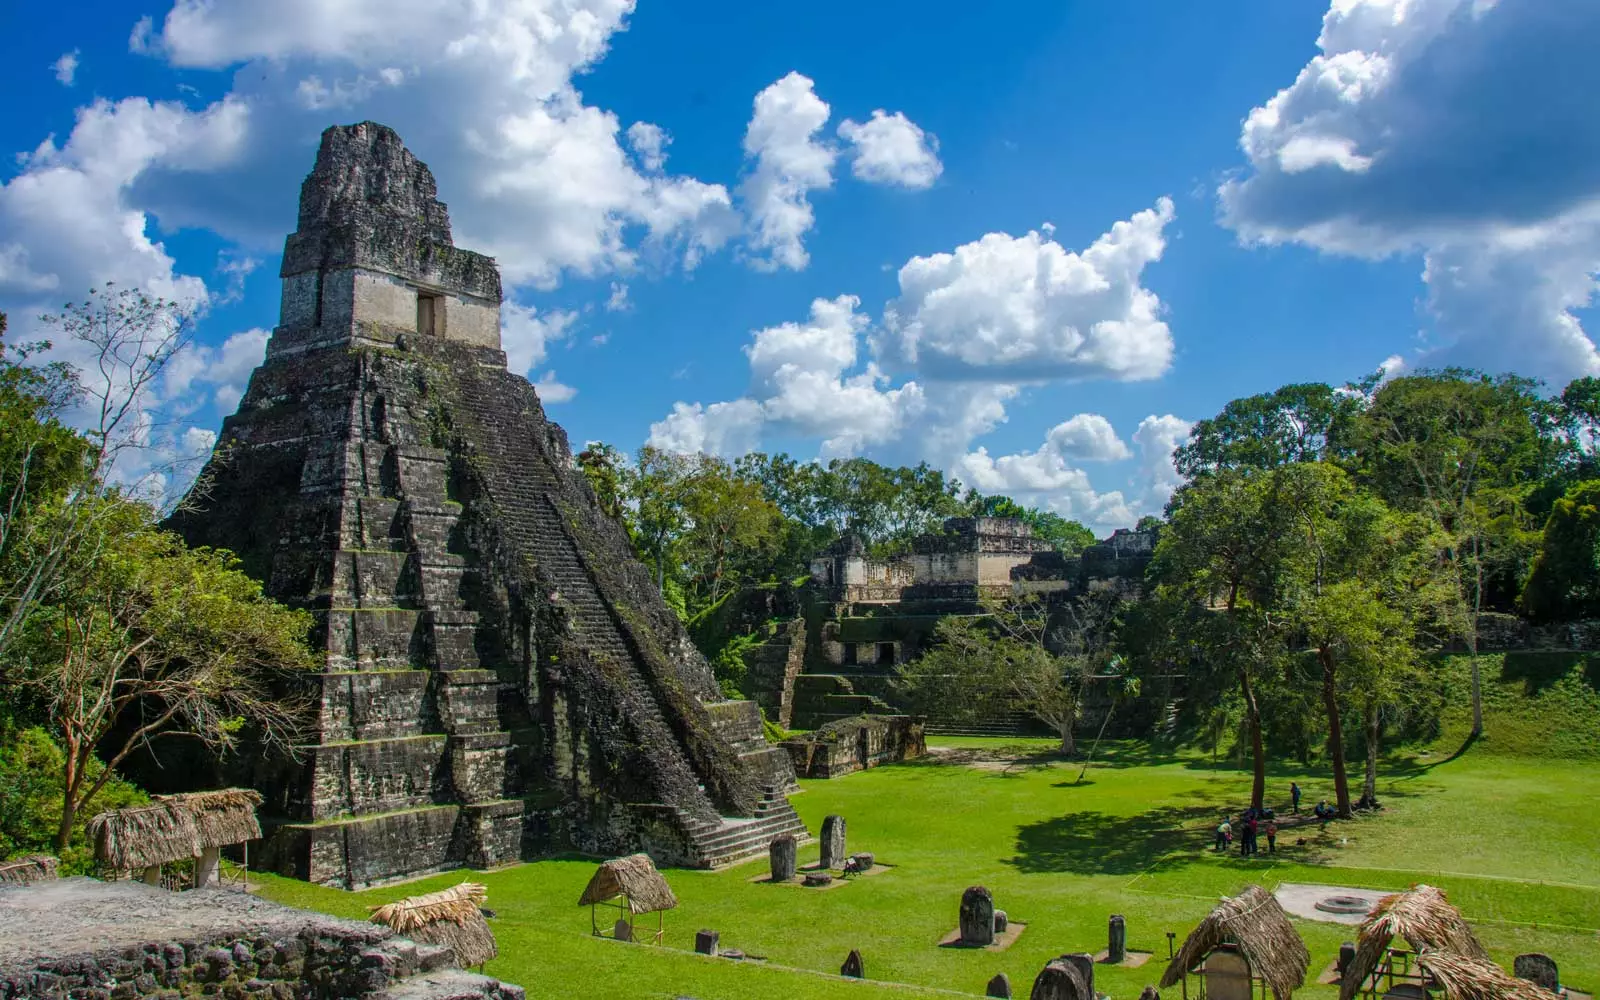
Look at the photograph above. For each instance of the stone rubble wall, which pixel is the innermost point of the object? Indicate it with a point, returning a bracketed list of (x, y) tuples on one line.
[(856, 744), (88, 946)]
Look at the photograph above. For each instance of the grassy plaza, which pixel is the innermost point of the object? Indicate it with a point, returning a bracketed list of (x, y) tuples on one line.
[(1509, 838)]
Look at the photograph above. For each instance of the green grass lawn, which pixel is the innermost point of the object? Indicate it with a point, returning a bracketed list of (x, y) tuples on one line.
[(1511, 840)]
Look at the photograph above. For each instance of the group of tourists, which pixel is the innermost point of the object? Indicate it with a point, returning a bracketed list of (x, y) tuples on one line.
[(1253, 825)]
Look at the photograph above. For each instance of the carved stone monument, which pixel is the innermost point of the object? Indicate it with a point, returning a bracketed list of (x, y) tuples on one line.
[(500, 676), (999, 986), (1001, 922), (781, 856), (833, 850), (1117, 940), (977, 916)]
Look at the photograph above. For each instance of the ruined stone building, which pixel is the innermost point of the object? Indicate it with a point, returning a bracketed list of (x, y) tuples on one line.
[(864, 616), (501, 678)]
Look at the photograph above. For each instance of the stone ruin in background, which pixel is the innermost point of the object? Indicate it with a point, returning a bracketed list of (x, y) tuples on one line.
[(501, 678)]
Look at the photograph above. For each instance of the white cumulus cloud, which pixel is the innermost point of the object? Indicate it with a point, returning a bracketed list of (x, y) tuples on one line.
[(526, 334), (1027, 309), (892, 149), (483, 93), (1460, 130), (788, 163)]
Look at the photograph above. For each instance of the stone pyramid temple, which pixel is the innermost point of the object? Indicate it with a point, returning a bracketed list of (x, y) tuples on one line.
[(501, 678)]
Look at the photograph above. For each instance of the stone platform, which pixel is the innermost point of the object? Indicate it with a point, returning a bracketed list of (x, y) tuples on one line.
[(81, 937)]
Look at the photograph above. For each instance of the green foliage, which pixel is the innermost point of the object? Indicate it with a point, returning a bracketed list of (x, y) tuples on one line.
[(1297, 423), (1565, 582), (31, 766), (149, 639), (773, 732), (728, 664), (601, 465)]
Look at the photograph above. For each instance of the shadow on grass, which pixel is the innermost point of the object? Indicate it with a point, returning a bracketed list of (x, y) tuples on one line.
[(1540, 670), (1095, 843), (1411, 767)]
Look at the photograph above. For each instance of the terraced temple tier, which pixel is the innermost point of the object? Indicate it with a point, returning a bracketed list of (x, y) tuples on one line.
[(501, 677)]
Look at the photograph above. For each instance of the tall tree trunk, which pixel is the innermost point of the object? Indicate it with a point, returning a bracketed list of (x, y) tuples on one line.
[(1258, 787), (1330, 702), (1369, 787), (1477, 682), (1472, 638), (1069, 741), (69, 811)]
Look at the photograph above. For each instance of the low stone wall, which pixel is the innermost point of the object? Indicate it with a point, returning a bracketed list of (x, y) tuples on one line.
[(856, 744), (92, 940), (1498, 632)]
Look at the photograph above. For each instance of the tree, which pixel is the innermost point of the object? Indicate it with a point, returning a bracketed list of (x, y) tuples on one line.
[(732, 529), (1565, 582), (42, 461), (1356, 570), (655, 486), (155, 641), (129, 339), (1218, 570), (1463, 448), (1019, 656), (601, 465), (1297, 423)]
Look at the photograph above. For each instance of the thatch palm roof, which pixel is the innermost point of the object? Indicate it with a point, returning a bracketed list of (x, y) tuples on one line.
[(1423, 917), (1256, 923), (143, 836), (451, 917), (174, 827), (28, 868), (222, 817), (635, 879), (1469, 978)]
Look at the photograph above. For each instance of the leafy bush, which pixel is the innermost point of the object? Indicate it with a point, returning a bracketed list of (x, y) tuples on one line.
[(31, 768)]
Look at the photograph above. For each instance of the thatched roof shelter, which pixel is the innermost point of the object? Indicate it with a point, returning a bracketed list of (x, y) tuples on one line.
[(634, 885), (174, 827), (1424, 918), (635, 879), (451, 916), (222, 817), (1256, 924), (28, 868), (1464, 977), (143, 836)]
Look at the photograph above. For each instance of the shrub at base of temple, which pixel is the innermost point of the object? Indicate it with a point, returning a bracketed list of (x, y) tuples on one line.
[(31, 765), (856, 744)]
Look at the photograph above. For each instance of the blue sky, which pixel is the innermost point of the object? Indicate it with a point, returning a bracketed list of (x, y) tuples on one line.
[(1026, 243)]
